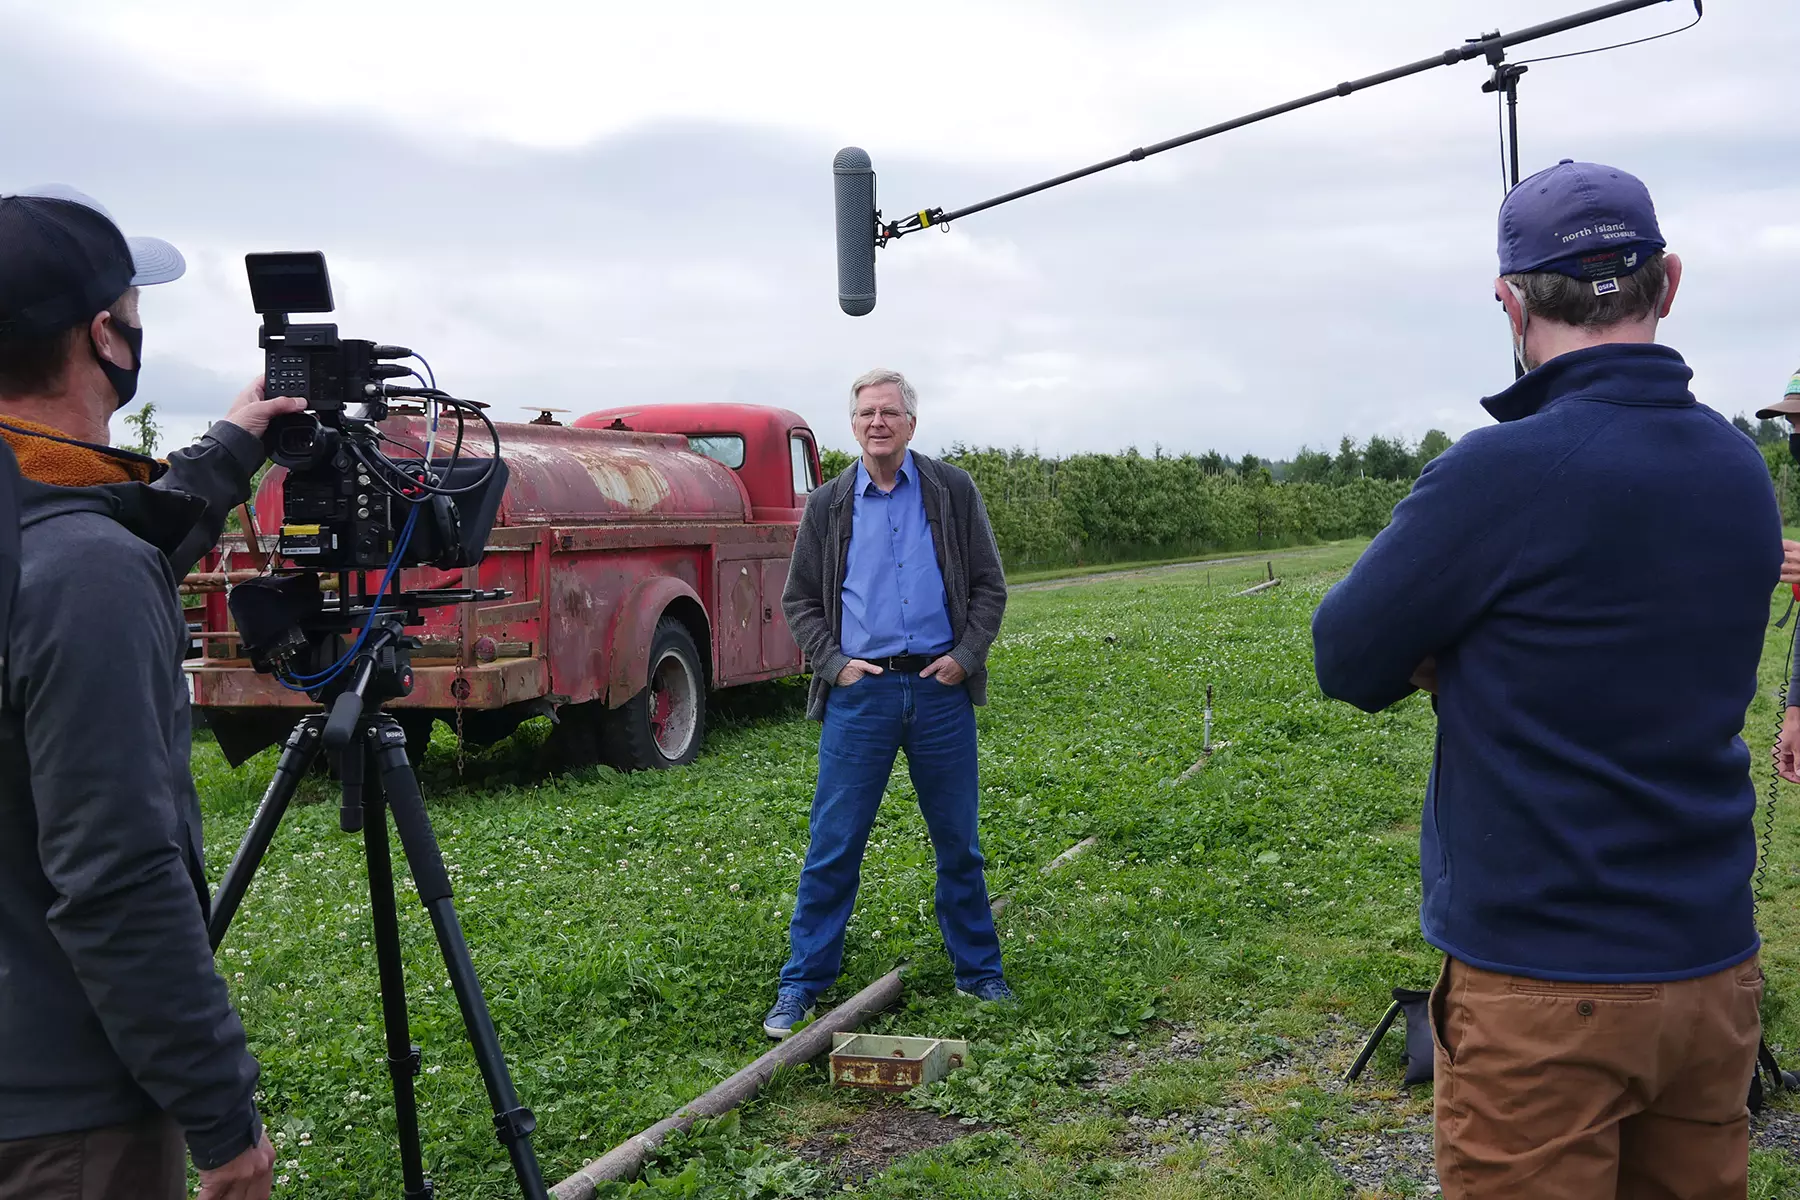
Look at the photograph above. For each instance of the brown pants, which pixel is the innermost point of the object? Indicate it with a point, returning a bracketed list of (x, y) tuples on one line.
[(1581, 1090), (146, 1160)]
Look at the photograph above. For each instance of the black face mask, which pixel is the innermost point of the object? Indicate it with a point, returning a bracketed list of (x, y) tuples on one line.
[(1794, 444), (124, 380)]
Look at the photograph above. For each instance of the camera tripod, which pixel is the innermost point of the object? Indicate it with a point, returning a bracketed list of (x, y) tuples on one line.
[(370, 750)]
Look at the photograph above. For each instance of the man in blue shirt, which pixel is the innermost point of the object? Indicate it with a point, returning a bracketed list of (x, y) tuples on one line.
[(1584, 587), (895, 594)]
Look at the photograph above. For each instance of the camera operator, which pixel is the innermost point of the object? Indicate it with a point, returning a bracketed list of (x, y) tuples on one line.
[(1787, 746), (1585, 587), (118, 1041)]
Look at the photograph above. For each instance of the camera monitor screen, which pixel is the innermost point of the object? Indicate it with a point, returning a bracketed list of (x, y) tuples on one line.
[(289, 282)]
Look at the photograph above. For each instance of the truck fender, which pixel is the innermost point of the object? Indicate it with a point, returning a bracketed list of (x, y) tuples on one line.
[(634, 628)]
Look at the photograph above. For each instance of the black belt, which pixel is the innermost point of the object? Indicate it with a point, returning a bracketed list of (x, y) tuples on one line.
[(913, 663)]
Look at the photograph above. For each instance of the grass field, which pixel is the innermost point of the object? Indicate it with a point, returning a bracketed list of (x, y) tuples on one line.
[(629, 929)]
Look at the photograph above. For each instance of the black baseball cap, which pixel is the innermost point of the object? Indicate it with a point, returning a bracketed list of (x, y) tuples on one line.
[(63, 259)]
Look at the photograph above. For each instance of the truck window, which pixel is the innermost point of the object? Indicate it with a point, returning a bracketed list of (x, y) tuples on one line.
[(804, 479), (727, 448)]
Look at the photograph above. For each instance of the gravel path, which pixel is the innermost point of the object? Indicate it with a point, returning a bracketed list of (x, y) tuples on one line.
[(1394, 1141), (1384, 1141)]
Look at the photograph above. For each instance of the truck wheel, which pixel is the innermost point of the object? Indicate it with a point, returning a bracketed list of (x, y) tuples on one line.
[(663, 725)]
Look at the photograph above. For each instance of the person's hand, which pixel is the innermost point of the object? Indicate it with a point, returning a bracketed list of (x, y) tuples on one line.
[(249, 1176), (1424, 676), (1787, 747), (947, 670), (252, 412), (1790, 561), (854, 670)]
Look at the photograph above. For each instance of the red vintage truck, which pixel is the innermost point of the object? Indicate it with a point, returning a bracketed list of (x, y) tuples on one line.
[(645, 549)]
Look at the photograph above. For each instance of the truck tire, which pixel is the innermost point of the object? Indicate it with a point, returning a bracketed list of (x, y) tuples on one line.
[(665, 723)]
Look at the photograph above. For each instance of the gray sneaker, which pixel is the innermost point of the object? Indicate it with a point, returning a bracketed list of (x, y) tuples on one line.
[(790, 1009)]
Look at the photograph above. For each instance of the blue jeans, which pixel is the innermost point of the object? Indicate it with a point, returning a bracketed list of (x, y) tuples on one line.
[(865, 724)]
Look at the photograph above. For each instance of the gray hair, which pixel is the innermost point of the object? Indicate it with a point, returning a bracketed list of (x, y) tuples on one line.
[(869, 379)]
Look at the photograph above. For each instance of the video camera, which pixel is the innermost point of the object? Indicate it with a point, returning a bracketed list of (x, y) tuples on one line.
[(355, 499), (345, 501)]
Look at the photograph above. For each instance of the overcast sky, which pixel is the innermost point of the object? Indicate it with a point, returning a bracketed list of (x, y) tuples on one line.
[(589, 204)]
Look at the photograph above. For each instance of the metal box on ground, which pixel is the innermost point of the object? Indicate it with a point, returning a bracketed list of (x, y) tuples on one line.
[(893, 1064)]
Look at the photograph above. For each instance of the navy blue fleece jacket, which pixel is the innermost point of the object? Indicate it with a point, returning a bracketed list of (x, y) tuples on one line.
[(1593, 577)]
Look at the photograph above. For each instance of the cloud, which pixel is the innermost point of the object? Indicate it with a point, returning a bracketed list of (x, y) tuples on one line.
[(584, 205)]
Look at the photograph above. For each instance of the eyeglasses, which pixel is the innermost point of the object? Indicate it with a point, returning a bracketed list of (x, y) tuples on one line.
[(865, 415)]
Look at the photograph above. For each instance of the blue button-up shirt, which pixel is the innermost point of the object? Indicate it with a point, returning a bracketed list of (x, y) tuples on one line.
[(893, 591)]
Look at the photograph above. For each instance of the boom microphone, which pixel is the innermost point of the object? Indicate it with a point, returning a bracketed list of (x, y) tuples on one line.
[(859, 235), (854, 183)]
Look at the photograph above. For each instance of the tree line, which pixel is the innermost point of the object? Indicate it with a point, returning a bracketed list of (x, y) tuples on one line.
[(1098, 508)]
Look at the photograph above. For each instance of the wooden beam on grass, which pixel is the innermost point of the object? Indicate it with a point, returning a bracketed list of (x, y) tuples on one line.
[(625, 1160), (1067, 856)]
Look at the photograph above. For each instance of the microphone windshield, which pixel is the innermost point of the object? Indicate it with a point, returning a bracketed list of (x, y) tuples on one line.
[(854, 181)]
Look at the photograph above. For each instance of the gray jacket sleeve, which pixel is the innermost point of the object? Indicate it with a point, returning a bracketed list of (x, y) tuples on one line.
[(95, 651), (987, 582), (217, 469), (803, 599)]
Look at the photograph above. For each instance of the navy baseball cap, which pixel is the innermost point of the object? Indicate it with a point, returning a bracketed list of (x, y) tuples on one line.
[(1583, 220), (63, 259)]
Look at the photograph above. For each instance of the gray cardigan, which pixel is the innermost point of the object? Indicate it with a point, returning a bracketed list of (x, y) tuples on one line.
[(974, 583)]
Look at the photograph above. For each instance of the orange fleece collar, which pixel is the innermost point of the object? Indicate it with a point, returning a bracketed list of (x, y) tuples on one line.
[(48, 456)]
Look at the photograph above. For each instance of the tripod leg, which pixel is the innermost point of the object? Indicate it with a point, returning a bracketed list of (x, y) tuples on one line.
[(513, 1121), (296, 756), (1368, 1050), (402, 1055)]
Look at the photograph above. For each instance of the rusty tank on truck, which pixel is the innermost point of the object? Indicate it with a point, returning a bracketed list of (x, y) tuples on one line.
[(645, 550)]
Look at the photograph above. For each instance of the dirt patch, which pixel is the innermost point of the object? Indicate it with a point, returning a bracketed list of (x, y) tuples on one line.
[(877, 1139)]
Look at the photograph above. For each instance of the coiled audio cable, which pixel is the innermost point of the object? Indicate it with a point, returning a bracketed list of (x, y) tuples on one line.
[(1767, 840)]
